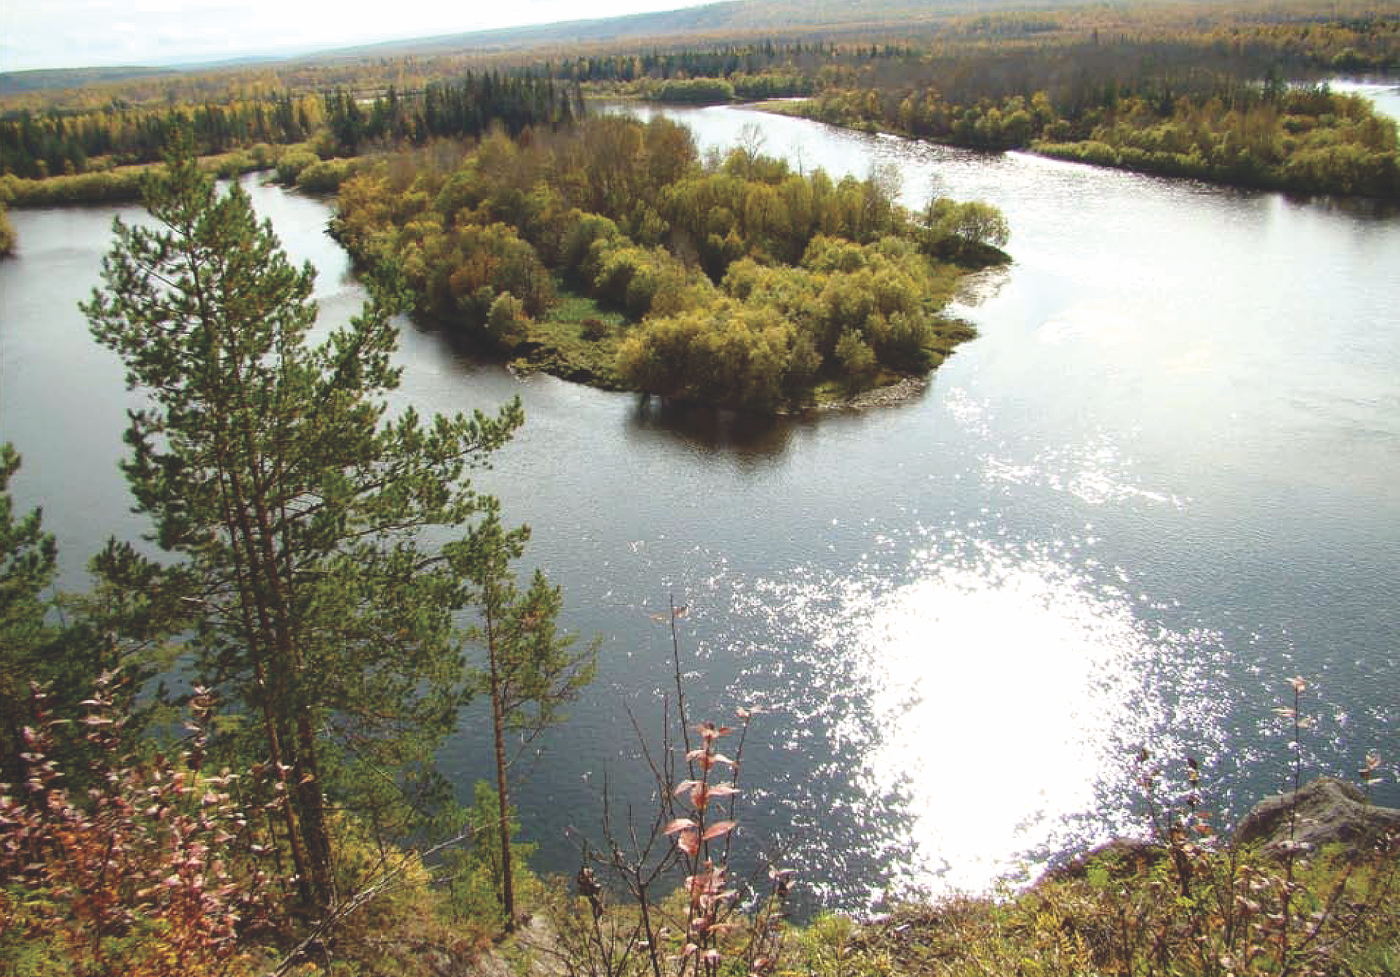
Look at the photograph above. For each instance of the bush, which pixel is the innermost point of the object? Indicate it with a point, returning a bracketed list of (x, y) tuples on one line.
[(291, 164), (7, 233), (695, 91), (594, 329), (154, 872), (505, 322), (325, 176)]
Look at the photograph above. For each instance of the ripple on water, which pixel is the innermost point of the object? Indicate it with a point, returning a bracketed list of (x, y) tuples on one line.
[(985, 705)]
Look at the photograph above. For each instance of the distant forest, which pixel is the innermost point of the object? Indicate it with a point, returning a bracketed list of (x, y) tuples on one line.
[(1194, 89)]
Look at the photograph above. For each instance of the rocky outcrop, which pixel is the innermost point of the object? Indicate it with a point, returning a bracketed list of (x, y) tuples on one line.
[(1121, 857), (1324, 812)]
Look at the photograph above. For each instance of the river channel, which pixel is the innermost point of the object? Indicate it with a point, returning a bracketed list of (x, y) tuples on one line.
[(1163, 480)]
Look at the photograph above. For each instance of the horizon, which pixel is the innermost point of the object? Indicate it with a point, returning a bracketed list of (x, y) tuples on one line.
[(60, 35)]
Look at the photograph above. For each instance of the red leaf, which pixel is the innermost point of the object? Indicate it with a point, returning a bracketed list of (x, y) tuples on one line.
[(687, 842), (717, 829), (679, 824), (723, 790)]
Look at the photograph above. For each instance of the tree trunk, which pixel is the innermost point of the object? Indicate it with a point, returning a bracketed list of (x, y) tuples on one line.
[(498, 723)]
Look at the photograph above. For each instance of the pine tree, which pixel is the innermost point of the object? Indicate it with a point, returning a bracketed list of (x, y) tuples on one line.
[(28, 564), (531, 671), (297, 507)]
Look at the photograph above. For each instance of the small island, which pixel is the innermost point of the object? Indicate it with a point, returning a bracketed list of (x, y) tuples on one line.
[(610, 253)]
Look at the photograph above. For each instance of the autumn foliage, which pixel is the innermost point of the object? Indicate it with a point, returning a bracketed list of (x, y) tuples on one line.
[(152, 872)]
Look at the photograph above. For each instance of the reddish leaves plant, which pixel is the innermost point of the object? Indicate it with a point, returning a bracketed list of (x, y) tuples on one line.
[(152, 873)]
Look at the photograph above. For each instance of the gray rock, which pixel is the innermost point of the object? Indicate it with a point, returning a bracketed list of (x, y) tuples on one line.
[(1324, 812)]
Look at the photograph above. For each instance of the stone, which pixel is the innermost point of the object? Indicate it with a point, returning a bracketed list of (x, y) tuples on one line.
[(1325, 812)]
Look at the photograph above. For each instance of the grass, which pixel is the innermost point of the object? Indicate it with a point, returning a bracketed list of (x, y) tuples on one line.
[(1138, 923), (577, 340)]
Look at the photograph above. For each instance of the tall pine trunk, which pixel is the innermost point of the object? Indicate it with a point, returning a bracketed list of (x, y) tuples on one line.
[(498, 726)]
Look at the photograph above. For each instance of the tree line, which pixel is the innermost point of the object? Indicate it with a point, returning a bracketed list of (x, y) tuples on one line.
[(1308, 140), (36, 145), (55, 142)]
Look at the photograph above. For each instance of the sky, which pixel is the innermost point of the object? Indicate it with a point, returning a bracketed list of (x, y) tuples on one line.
[(91, 33)]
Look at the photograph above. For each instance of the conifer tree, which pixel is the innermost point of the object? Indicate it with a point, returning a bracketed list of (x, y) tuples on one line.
[(28, 564), (531, 670), (296, 507)]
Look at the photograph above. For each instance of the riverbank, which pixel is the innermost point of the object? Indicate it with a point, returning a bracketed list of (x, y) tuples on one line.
[(579, 342), (1300, 140), (1189, 903)]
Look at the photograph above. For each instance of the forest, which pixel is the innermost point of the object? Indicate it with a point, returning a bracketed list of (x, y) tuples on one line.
[(1200, 90)]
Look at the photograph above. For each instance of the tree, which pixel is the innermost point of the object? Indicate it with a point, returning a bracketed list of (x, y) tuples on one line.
[(28, 563), (58, 659), (310, 594), (531, 670)]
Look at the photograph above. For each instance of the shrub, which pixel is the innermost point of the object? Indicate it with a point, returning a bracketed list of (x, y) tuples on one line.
[(291, 164), (154, 873)]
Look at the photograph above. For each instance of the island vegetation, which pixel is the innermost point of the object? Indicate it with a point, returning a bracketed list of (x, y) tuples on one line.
[(611, 253)]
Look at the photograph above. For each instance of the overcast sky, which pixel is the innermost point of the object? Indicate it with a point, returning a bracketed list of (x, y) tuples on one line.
[(86, 33)]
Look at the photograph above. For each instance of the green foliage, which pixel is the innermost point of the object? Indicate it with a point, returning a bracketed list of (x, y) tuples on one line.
[(474, 869), (291, 164), (972, 232), (116, 186), (268, 467), (802, 260), (1305, 141), (856, 357), (325, 176), (28, 564), (530, 673), (60, 666), (695, 91), (7, 232)]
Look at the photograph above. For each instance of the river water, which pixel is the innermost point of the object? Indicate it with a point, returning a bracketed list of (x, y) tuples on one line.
[(1161, 482)]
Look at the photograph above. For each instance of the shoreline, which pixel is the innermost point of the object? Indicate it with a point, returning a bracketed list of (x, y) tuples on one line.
[(1091, 153)]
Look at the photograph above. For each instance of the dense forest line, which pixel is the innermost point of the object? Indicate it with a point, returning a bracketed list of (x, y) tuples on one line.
[(1303, 140), (1189, 90), (1303, 33), (35, 146), (1143, 87), (731, 280)]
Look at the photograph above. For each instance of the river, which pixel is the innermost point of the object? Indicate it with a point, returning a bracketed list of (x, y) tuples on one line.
[(1161, 482)]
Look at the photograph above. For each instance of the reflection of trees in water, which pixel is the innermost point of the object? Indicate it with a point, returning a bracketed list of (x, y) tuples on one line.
[(748, 435)]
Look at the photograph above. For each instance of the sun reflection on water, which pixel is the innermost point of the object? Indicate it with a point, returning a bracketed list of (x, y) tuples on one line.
[(987, 703)]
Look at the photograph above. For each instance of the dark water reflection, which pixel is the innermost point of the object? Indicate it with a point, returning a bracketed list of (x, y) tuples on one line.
[(752, 438), (1160, 482)]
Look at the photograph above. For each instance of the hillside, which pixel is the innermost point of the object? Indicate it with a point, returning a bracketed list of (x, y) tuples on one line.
[(730, 20), (733, 18)]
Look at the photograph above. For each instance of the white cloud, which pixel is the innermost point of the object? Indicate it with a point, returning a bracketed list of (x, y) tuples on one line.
[(84, 33)]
